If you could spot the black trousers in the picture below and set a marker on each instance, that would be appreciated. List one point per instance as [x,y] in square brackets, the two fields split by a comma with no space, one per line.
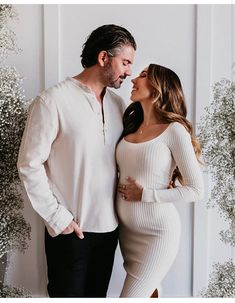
[80,268]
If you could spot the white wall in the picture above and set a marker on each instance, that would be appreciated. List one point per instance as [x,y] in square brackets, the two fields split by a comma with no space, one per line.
[195,41]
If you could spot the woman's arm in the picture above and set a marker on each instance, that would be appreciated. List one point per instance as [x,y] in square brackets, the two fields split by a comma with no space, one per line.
[185,158]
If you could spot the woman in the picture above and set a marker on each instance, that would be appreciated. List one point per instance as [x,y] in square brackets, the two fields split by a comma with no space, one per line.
[155,149]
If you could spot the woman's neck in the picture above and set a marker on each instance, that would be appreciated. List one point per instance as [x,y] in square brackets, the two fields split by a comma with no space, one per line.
[150,116]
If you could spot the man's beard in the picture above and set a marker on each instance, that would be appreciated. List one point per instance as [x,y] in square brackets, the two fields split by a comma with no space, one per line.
[115,84]
[110,80]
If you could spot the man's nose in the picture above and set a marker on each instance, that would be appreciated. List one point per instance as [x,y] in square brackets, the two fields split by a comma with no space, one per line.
[128,71]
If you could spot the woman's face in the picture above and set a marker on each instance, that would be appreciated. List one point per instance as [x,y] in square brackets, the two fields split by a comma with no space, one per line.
[141,89]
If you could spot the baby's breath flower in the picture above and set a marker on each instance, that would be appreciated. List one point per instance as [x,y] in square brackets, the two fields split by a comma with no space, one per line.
[7,36]
[14,230]
[222,281]
[217,135]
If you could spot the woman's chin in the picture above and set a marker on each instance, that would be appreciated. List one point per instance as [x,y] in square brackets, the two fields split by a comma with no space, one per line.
[132,99]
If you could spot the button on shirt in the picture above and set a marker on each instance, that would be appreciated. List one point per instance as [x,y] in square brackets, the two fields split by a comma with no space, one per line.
[67,157]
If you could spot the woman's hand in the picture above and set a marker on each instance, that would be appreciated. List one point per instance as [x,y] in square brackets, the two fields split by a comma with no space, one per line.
[131,191]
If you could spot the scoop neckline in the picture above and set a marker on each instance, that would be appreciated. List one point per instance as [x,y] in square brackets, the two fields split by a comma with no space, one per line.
[153,139]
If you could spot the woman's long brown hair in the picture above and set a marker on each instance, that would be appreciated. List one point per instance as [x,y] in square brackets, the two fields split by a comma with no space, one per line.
[169,104]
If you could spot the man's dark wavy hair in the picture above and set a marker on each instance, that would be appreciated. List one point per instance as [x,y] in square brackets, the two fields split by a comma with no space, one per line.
[106,37]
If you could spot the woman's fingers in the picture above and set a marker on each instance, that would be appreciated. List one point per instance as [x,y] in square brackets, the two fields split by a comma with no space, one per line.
[122,188]
[130,180]
[131,191]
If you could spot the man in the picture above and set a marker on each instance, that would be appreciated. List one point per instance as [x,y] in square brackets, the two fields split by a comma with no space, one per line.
[67,165]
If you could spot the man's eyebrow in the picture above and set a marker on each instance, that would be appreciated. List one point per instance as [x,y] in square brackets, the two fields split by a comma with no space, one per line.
[127,61]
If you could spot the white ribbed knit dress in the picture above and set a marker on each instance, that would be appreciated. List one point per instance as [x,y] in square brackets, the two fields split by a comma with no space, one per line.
[150,228]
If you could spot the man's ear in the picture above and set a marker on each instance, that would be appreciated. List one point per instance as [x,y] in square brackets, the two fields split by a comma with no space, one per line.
[103,58]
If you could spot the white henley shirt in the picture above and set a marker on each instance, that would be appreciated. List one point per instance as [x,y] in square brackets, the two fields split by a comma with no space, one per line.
[67,157]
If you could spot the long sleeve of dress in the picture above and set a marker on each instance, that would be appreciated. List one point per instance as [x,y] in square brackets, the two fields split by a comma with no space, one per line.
[183,153]
[40,132]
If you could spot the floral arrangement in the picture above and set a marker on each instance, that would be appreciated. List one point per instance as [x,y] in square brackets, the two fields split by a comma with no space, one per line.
[221,283]
[14,231]
[7,36]
[14,292]
[217,135]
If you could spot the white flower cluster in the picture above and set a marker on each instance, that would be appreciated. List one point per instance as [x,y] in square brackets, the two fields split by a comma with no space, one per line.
[13,292]
[217,135]
[7,36]
[222,281]
[14,231]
